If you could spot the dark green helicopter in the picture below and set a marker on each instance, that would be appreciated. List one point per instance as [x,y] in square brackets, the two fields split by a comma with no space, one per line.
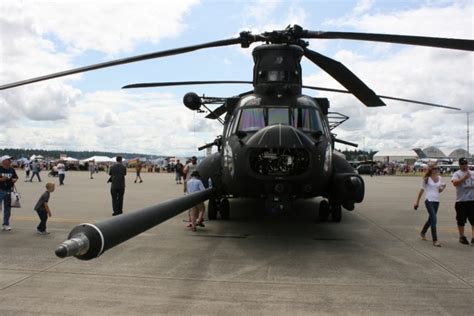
[277,143]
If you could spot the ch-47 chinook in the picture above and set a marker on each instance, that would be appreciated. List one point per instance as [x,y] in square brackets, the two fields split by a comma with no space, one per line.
[277,143]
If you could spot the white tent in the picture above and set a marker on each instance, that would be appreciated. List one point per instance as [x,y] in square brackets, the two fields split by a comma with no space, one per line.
[97,159]
[69,159]
[395,154]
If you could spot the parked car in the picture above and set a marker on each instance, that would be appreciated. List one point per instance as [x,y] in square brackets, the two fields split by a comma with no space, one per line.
[367,169]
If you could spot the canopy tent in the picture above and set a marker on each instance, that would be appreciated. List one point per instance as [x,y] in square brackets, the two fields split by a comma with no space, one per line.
[36,157]
[69,159]
[395,155]
[97,159]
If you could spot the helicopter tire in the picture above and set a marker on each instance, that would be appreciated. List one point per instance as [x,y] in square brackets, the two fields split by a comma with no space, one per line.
[336,213]
[225,209]
[324,211]
[212,209]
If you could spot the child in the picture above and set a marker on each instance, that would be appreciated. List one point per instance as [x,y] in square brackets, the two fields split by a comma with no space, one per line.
[43,210]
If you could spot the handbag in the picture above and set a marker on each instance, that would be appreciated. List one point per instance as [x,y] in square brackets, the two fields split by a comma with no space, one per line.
[15,198]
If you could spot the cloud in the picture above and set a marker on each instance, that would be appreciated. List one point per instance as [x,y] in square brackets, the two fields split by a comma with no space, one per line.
[426,74]
[108,26]
[39,38]
[121,121]
[362,6]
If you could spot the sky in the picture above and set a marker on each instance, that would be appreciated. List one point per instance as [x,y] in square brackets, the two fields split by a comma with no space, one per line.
[90,111]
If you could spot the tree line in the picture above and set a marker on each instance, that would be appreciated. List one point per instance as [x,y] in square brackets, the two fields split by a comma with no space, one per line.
[54,154]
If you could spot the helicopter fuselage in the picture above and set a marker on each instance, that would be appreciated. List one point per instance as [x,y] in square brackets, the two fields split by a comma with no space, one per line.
[276,148]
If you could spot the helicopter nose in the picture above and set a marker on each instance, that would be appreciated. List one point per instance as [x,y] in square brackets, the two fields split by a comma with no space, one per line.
[279,150]
[278,136]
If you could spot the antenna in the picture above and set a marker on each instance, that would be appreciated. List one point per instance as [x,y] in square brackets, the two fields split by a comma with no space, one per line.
[468,152]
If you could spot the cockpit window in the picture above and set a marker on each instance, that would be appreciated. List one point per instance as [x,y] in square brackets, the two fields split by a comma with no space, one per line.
[251,119]
[305,119]
[278,116]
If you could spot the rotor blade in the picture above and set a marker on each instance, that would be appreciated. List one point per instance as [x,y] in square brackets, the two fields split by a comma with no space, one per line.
[217,112]
[182,83]
[345,142]
[386,97]
[345,77]
[122,61]
[451,43]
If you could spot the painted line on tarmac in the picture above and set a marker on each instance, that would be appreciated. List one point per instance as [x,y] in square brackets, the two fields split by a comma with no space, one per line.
[33,274]
[430,258]
[51,219]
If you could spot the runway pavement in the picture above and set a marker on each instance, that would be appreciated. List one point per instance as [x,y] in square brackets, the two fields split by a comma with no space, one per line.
[371,263]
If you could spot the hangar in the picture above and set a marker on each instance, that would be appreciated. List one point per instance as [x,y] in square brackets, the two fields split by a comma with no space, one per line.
[458,153]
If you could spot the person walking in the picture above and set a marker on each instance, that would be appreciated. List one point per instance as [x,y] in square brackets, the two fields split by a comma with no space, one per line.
[36,168]
[138,169]
[463,180]
[194,184]
[43,210]
[27,169]
[178,169]
[117,189]
[432,186]
[61,172]
[92,168]
[8,177]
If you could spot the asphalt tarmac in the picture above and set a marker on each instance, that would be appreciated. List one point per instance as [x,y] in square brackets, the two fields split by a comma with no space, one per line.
[371,263]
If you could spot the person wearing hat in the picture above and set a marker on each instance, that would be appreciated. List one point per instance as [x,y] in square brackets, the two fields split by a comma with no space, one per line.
[463,180]
[8,177]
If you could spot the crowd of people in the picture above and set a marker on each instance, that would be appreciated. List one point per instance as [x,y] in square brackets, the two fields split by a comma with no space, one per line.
[187,174]
[432,186]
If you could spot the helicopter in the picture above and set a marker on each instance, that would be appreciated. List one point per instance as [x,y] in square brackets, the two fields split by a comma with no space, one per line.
[277,144]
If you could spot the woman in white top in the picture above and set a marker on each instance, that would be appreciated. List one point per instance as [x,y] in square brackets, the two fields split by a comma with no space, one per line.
[432,186]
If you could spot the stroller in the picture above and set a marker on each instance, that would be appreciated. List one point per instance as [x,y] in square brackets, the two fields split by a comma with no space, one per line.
[53,172]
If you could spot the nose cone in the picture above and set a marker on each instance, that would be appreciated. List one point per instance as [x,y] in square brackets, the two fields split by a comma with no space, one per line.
[277,136]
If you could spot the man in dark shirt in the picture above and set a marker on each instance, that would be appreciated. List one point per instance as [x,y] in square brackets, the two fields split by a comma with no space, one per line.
[117,189]
[8,178]
[178,169]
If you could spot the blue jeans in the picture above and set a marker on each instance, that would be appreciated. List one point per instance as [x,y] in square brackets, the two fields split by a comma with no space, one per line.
[432,208]
[43,219]
[5,196]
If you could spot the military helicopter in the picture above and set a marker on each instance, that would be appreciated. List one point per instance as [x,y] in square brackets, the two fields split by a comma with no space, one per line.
[277,143]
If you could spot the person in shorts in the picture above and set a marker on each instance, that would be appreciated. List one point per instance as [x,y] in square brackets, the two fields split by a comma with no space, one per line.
[463,180]
[138,169]
[194,184]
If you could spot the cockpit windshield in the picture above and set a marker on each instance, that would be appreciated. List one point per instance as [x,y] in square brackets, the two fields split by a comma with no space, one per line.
[305,119]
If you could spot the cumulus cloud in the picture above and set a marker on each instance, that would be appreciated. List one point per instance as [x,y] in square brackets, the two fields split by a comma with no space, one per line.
[39,38]
[121,121]
[109,26]
[426,74]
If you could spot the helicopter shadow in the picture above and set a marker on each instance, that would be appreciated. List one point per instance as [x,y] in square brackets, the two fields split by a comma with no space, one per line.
[299,220]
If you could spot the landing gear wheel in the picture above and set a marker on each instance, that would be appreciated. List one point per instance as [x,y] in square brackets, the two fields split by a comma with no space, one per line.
[336,213]
[323,214]
[225,209]
[212,209]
